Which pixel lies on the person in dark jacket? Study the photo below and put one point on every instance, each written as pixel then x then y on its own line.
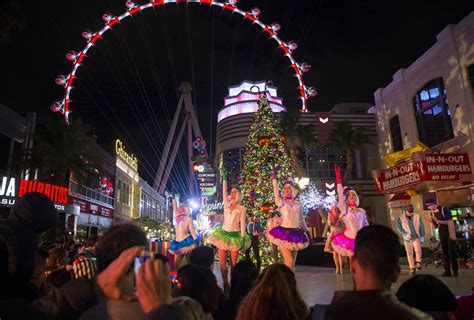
pixel 442 220
pixel 374 268
pixel 428 294
pixel 115 240
pixel 243 278
pixel 254 230
pixel 32 215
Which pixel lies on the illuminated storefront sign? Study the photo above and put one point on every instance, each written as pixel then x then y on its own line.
pixel 423 167
pixel 212 208
pixel 10 190
pixel 7 191
pixel 130 159
pixel 53 192
pixel 91 208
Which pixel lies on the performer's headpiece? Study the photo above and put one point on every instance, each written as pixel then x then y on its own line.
pixel 346 191
pixel 291 183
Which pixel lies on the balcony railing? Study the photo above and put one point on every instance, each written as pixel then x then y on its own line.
pixel 83 191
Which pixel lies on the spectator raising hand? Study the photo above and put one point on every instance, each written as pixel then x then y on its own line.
pixel 109 280
pixel 153 285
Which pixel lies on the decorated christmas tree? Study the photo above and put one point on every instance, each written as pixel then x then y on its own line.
pixel 264 152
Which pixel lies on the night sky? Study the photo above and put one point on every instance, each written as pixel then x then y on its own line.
pixel 127 87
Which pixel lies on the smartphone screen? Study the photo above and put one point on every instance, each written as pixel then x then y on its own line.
pixel 137 263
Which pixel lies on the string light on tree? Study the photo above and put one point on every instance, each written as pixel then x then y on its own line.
pixel 263 152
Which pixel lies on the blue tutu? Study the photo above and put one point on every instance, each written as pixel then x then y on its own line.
pixel 185 246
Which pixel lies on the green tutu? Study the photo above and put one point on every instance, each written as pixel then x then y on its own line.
pixel 229 241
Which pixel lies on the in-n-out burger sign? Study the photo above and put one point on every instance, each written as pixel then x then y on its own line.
pixel 130 159
pixel 9 191
pixel 423 167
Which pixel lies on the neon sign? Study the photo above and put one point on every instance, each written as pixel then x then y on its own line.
pixel 10 190
pixel 130 159
pixel 53 192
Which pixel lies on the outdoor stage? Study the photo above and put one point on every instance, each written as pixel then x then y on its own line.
pixel 317 284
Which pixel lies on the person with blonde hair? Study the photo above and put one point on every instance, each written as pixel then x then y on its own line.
pixel 186 238
pixel 353 217
pixel 274 296
pixel 231 236
pixel 335 226
pixel 291 235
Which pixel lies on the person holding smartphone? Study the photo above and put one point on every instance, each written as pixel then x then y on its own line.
pixel 442 220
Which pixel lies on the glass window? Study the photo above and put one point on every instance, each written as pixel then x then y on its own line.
pixel 433 117
pixel 397 141
pixel 470 74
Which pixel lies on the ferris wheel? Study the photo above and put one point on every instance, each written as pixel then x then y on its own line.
pixel 77 57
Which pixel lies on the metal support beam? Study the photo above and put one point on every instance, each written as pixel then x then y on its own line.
pixel 164 181
pixel 169 139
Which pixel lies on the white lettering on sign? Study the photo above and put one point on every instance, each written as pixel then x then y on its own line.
pixel 449 168
pixel 398 170
pixel 401 181
pixel 7 202
pixel 130 159
pixel 7 188
pixel 445 158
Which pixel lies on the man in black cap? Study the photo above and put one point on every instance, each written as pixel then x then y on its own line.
pixel 443 221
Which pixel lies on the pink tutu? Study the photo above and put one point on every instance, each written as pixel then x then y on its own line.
pixel 343 244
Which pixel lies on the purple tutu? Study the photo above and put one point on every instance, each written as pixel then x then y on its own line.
pixel 343 244
pixel 293 239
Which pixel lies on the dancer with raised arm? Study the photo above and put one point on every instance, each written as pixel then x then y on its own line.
pixel 186 238
pixel 231 237
pixel 291 235
pixel 353 217
pixel 335 226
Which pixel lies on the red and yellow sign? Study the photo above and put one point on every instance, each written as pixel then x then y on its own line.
pixel 423 167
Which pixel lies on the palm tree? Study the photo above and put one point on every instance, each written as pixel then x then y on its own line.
pixel 289 123
pixel 307 140
pixel 61 151
pixel 345 137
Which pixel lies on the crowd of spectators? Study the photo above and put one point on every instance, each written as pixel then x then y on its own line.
pixel 97 280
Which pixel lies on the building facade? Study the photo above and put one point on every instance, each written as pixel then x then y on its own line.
pixel 91 198
pixel 431 102
pixel 127 190
pixel 152 204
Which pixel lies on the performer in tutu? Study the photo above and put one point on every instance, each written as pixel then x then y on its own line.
pixel 335 226
pixel 186 237
pixel 353 217
pixel 291 235
pixel 231 237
